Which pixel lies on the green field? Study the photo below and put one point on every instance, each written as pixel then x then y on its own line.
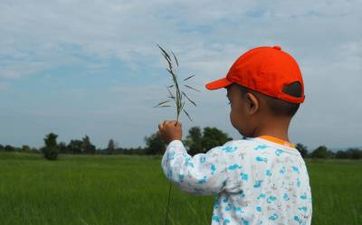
pixel 132 190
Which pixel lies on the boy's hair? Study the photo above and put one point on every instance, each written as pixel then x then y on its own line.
pixel 277 106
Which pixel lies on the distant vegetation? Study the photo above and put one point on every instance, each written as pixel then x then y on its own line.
pixel 197 141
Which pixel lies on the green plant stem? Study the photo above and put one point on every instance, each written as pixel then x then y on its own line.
pixel 168 203
pixel 178 102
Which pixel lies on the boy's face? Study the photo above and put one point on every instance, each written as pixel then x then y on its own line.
pixel 239 115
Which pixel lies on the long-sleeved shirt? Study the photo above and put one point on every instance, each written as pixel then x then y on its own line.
pixel 255 181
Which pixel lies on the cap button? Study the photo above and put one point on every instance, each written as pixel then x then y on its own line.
pixel 277 47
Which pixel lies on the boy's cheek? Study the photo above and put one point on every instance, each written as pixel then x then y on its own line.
pixel 233 119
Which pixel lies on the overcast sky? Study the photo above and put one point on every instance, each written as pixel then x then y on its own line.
pixel 92 68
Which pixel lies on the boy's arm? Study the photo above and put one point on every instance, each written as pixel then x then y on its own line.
pixel 202 174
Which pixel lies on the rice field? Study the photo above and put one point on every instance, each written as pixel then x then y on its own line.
pixel 132 190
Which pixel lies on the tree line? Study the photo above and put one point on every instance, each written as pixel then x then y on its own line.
pixel 197 141
pixel 322 152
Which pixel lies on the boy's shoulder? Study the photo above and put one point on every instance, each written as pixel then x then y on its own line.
pixel 247 142
pixel 258 145
pixel 240 144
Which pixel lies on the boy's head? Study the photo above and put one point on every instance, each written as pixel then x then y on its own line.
pixel 264 87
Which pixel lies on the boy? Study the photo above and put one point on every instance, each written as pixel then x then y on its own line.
pixel 261 179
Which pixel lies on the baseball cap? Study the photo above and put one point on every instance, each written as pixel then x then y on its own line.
pixel 266 70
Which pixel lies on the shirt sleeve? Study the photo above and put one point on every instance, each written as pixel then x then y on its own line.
pixel 202 174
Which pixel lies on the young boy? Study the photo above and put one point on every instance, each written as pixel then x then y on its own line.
pixel 261 179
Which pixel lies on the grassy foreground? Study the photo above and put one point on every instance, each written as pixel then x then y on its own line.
pixel 132 190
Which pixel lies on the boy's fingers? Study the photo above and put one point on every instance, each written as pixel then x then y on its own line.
pixel 161 125
pixel 166 123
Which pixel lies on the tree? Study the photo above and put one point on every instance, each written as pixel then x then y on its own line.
pixel 63 148
pixel 75 146
pixel 9 148
pixel 87 146
pixel 351 153
pixel 355 153
pixel 321 152
pixel 302 149
pixel 25 148
pixel 154 144
pixel 194 140
pixel 213 137
pixel 342 154
pixel 51 149
pixel 111 147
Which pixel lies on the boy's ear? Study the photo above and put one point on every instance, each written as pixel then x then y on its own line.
pixel 252 103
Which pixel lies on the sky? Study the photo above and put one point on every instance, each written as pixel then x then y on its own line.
pixel 92 68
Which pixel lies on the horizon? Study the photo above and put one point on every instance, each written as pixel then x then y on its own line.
pixel 103 147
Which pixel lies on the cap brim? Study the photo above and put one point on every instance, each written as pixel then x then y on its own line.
pixel 217 84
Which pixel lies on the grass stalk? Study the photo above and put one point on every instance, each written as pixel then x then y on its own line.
pixel 175 95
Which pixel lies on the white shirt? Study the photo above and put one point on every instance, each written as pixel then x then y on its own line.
pixel 255 181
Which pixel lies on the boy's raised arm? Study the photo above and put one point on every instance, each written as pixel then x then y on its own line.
pixel 202 174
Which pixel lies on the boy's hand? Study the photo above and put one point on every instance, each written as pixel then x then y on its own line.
pixel 170 130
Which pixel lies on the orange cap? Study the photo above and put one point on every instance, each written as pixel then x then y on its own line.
pixel 266 70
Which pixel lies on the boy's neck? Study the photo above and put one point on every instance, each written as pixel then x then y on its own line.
pixel 277 129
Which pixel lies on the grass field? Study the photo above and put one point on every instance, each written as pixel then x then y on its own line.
pixel 132 190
